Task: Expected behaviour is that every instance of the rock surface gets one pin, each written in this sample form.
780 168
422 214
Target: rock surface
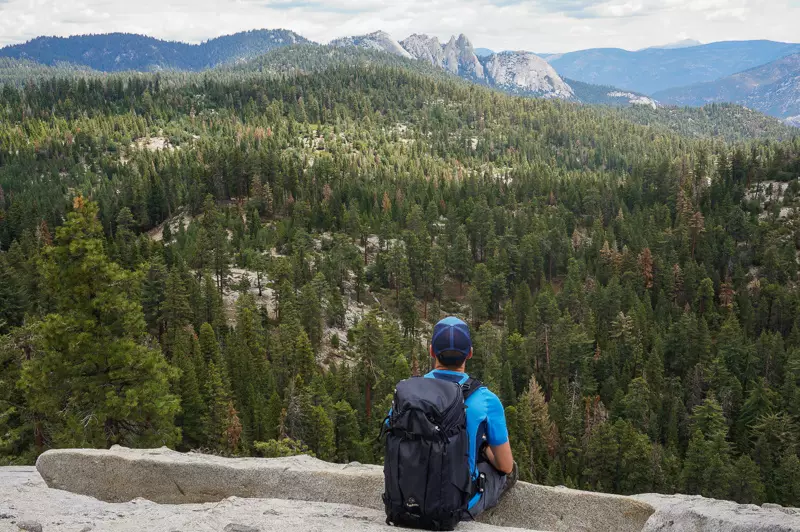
165 476
425 48
26 503
516 72
693 513
525 72
457 56
379 40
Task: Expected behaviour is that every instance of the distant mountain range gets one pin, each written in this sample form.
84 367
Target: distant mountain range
652 70
685 43
762 75
773 89
115 52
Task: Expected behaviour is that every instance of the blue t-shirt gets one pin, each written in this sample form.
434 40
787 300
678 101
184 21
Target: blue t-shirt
485 417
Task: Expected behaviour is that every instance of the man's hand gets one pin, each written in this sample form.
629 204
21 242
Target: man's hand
500 457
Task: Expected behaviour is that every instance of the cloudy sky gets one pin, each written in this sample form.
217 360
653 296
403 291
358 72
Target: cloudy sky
536 25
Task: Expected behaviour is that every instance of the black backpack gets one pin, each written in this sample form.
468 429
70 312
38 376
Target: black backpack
426 467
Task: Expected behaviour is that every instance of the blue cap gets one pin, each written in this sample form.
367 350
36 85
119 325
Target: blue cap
451 334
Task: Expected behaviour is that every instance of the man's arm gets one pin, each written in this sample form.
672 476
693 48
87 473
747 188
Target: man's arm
500 457
498 451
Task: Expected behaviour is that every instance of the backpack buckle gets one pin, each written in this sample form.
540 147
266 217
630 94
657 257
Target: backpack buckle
480 483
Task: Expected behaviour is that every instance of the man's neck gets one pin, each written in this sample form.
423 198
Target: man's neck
460 369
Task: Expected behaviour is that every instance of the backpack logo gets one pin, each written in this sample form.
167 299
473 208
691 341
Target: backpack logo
412 503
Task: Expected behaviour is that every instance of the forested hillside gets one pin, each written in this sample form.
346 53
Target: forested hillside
246 263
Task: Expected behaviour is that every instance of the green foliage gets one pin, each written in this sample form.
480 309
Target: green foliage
280 448
629 286
92 380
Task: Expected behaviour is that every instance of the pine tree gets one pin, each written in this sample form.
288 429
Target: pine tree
507 392
335 310
93 364
461 257
537 430
637 404
708 418
323 436
212 311
693 477
634 470
436 272
11 298
787 480
408 311
217 416
646 267
347 433
153 289
746 485
233 429
209 347
192 406
774 436
273 416
602 451
175 311
310 307
305 363
371 348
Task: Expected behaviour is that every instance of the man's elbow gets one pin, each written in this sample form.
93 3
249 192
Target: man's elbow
504 459
506 468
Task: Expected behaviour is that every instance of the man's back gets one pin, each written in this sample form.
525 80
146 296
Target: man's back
428 439
486 419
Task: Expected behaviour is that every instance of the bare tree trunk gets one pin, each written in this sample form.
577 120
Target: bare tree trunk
547 358
368 396
38 436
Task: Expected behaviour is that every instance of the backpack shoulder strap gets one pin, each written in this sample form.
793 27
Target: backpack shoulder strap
470 387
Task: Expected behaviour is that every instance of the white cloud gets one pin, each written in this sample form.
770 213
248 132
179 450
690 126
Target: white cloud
537 25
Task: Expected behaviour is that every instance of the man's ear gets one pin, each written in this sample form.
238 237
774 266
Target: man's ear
470 354
430 350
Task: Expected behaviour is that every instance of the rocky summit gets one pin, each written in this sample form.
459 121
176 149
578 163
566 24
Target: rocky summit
378 41
515 72
122 475
27 504
524 72
693 513
158 490
457 56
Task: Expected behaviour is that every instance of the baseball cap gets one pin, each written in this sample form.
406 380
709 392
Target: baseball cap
452 335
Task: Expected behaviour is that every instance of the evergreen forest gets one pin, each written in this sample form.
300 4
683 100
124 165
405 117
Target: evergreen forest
245 262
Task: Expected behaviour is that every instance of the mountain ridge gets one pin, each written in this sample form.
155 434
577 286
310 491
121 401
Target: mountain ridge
377 40
610 76
652 70
773 88
115 52
515 72
684 43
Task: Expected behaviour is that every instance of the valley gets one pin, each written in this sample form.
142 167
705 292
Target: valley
239 247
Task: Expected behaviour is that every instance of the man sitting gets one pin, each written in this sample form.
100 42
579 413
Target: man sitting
489 449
